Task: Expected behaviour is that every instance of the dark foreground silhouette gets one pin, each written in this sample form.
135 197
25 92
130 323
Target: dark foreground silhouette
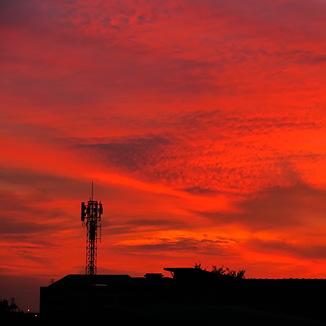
192 296
11 315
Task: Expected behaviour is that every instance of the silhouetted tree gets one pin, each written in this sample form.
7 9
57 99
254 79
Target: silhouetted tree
223 272
241 273
5 307
11 315
198 266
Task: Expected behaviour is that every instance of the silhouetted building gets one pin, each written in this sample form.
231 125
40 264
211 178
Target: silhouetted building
190 297
100 297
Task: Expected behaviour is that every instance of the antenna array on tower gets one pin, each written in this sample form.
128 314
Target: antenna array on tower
91 217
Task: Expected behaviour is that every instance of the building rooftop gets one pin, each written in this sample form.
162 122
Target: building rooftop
82 280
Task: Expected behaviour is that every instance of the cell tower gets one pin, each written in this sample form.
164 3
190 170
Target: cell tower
91 218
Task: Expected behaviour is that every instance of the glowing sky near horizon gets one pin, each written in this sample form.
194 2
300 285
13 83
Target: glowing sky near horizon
201 123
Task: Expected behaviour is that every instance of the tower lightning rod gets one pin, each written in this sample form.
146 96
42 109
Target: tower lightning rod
91 218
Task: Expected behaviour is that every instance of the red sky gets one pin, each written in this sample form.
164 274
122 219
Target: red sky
201 122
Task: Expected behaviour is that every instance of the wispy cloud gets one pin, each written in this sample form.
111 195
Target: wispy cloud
285 209
179 245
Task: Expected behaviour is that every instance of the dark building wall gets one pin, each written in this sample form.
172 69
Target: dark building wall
97 298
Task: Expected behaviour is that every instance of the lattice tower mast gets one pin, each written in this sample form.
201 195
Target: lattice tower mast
91 217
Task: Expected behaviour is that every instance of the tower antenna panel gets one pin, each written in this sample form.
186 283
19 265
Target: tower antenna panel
91 214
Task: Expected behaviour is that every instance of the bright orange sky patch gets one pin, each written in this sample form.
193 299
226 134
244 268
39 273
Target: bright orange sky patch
202 124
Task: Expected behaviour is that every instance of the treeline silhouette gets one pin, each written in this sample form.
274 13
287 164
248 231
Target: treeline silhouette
12 315
6 308
223 272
